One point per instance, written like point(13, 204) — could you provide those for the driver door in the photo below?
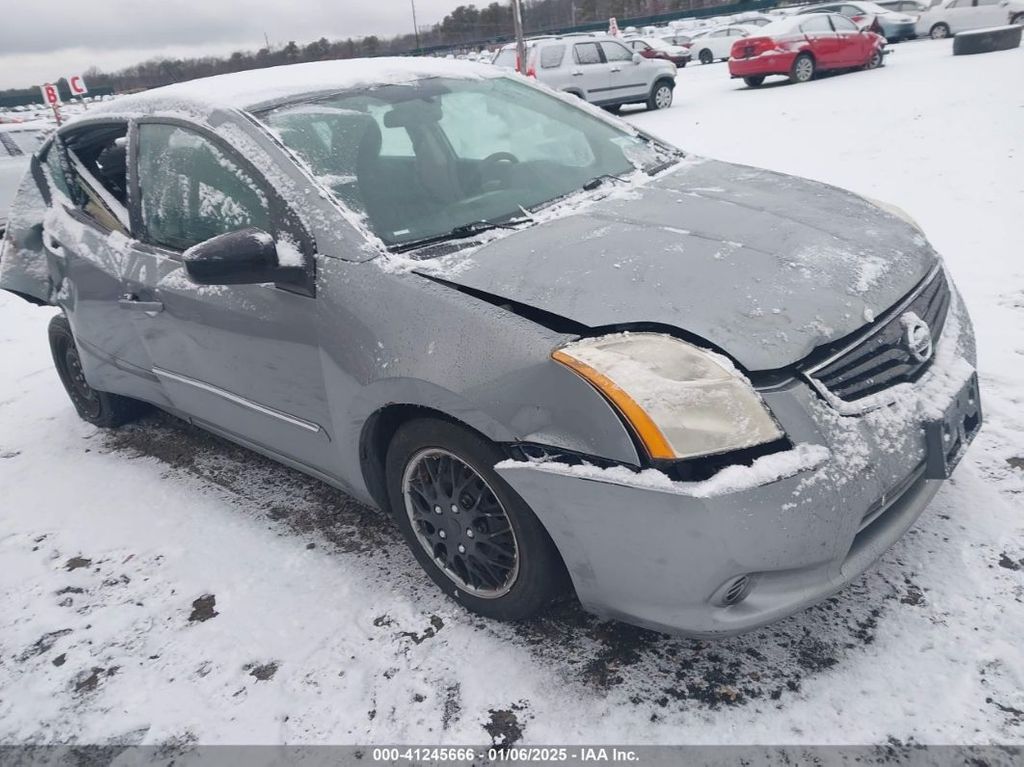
point(242, 360)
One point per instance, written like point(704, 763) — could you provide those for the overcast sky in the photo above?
point(42, 40)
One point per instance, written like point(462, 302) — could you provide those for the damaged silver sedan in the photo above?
point(559, 352)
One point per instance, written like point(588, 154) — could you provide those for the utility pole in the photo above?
point(415, 26)
point(517, 24)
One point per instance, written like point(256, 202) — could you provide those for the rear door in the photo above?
point(87, 231)
point(589, 72)
point(243, 360)
point(825, 44)
point(991, 13)
point(854, 47)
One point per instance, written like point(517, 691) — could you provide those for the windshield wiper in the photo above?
point(461, 231)
point(596, 181)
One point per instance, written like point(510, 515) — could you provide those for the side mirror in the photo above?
point(637, 58)
point(246, 257)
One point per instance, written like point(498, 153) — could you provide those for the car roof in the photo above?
point(255, 89)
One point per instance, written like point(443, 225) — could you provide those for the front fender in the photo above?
point(399, 339)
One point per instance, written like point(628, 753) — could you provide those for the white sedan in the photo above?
point(716, 44)
point(952, 16)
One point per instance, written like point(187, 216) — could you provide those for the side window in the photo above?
point(551, 56)
point(191, 190)
point(989, 2)
point(616, 52)
point(843, 24)
point(719, 33)
point(817, 25)
point(850, 10)
point(56, 171)
point(586, 53)
point(98, 161)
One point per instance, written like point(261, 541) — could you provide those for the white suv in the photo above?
point(597, 68)
point(952, 16)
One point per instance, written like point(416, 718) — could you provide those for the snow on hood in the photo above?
point(763, 265)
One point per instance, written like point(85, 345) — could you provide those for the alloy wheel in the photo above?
point(460, 523)
point(940, 31)
point(803, 70)
point(663, 97)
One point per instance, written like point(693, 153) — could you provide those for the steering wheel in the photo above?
point(490, 180)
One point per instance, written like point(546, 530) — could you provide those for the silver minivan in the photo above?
point(597, 68)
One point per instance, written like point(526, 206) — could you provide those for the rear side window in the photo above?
point(816, 25)
point(586, 53)
point(551, 56)
point(58, 175)
point(843, 24)
point(191, 190)
point(505, 58)
point(97, 160)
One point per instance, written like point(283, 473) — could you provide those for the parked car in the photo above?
point(676, 37)
point(895, 26)
point(597, 68)
point(505, 319)
point(801, 46)
point(656, 48)
point(948, 18)
point(17, 143)
point(715, 44)
point(907, 7)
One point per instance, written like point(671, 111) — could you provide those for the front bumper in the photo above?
point(899, 31)
point(660, 556)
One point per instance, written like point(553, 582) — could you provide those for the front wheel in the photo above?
point(875, 60)
point(469, 530)
point(754, 82)
point(803, 69)
point(1018, 19)
point(661, 96)
point(99, 408)
point(939, 32)
point(706, 57)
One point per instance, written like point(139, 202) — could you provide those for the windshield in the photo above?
point(418, 161)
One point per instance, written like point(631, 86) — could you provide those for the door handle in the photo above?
point(52, 244)
point(616, 69)
point(131, 302)
point(577, 73)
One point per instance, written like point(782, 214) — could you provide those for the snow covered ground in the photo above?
point(158, 585)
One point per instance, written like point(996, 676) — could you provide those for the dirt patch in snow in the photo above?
point(202, 609)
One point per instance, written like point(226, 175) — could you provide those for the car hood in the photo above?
point(763, 265)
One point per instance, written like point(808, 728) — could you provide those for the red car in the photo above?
point(656, 48)
point(801, 46)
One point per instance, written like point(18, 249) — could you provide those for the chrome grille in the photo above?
point(882, 359)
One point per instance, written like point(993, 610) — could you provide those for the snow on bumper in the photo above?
point(802, 525)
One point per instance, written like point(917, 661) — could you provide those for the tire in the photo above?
point(661, 95)
point(524, 577)
point(613, 108)
point(1018, 19)
point(706, 57)
point(939, 31)
point(875, 60)
point(96, 407)
point(803, 68)
point(754, 82)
